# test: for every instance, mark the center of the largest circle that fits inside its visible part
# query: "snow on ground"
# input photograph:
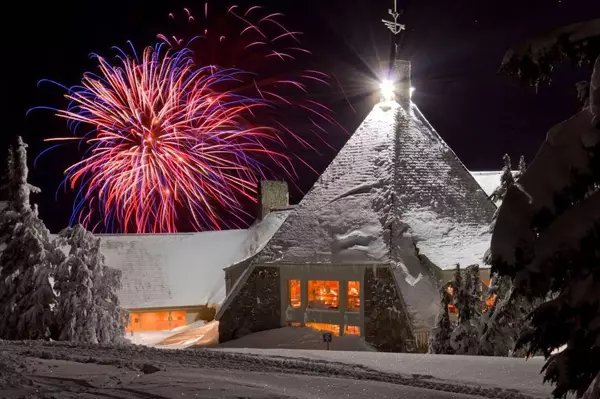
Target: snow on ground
(147, 338)
(297, 338)
(195, 335)
(73, 380)
(512, 373)
(65, 370)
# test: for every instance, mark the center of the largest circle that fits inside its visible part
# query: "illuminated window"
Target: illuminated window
(352, 330)
(353, 296)
(332, 328)
(293, 324)
(294, 289)
(155, 321)
(323, 295)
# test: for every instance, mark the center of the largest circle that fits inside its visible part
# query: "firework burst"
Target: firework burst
(175, 136)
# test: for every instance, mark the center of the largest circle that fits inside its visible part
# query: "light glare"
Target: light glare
(387, 89)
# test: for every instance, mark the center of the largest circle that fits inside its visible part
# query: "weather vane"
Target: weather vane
(394, 26)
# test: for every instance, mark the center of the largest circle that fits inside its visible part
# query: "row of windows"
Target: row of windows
(324, 295)
(153, 321)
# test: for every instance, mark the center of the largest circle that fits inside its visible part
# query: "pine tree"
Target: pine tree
(88, 308)
(465, 337)
(26, 295)
(439, 337)
(506, 180)
(521, 169)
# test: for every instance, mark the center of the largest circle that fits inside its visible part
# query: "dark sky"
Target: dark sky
(456, 47)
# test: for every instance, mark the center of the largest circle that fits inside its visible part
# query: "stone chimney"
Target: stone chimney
(273, 195)
(403, 85)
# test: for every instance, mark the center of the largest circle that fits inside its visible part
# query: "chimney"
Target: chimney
(403, 84)
(273, 195)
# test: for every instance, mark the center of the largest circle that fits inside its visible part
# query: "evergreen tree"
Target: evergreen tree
(506, 180)
(553, 250)
(465, 337)
(439, 337)
(88, 308)
(26, 295)
(521, 169)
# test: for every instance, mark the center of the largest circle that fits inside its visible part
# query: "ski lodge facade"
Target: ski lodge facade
(364, 253)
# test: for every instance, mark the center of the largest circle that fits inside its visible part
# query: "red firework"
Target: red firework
(173, 135)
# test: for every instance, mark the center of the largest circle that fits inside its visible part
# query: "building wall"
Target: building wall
(233, 273)
(304, 315)
(387, 326)
(256, 306)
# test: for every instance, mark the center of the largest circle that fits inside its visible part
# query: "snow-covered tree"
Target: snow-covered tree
(439, 337)
(547, 234)
(88, 308)
(506, 180)
(521, 168)
(26, 295)
(465, 337)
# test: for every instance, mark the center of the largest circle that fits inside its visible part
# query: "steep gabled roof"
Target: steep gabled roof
(394, 172)
(395, 194)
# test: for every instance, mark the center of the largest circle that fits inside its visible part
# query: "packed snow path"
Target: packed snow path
(45, 369)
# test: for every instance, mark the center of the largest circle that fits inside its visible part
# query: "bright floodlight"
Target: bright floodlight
(387, 89)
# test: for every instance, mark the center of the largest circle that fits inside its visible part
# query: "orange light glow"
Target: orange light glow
(294, 290)
(353, 296)
(323, 295)
(352, 330)
(156, 321)
(490, 301)
(332, 328)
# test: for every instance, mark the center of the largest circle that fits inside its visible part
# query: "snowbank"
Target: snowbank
(297, 338)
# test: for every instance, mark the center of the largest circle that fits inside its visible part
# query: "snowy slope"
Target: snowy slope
(41, 369)
(509, 373)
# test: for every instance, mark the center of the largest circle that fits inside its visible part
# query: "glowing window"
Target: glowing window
(294, 290)
(332, 328)
(353, 296)
(293, 324)
(323, 295)
(154, 321)
(352, 330)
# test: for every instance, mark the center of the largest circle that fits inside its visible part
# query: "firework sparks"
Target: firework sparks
(173, 135)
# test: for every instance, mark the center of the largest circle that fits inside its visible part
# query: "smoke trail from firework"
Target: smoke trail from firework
(174, 135)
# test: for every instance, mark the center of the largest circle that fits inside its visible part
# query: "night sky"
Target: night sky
(456, 47)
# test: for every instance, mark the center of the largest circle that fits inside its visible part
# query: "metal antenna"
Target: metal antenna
(394, 26)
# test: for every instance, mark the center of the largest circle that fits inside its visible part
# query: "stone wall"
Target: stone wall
(255, 307)
(387, 326)
(273, 194)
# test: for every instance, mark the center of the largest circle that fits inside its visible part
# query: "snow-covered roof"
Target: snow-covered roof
(172, 270)
(394, 169)
(394, 185)
(489, 180)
